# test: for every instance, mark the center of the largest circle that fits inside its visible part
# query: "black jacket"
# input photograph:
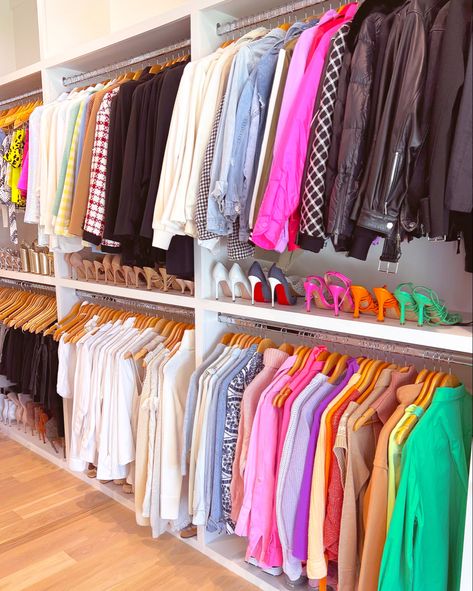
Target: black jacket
(452, 68)
(368, 37)
(398, 135)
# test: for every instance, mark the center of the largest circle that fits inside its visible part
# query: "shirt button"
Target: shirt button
(389, 225)
(237, 208)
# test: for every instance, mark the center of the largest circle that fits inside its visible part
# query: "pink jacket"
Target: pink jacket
(254, 520)
(281, 198)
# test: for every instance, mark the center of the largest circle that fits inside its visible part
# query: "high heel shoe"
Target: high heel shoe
(169, 281)
(89, 269)
(408, 308)
(317, 289)
(260, 288)
(221, 280)
(100, 273)
(139, 272)
(341, 296)
(117, 269)
(387, 304)
(78, 271)
(362, 301)
(130, 275)
(153, 278)
(185, 284)
(280, 288)
(107, 265)
(240, 286)
(431, 309)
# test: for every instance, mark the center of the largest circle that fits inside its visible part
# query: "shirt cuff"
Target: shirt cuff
(162, 239)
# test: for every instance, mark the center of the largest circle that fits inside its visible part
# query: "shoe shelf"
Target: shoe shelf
(171, 298)
(452, 338)
(30, 277)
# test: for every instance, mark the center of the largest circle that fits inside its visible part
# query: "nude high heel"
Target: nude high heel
(118, 272)
(153, 278)
(78, 268)
(169, 281)
(100, 274)
(185, 284)
(129, 274)
(139, 272)
(89, 269)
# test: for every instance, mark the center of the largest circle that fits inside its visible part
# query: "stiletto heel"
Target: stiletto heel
(338, 295)
(129, 274)
(260, 289)
(221, 279)
(273, 283)
(181, 284)
(362, 301)
(99, 270)
(240, 285)
(118, 272)
(341, 295)
(190, 286)
(387, 304)
(432, 310)
(78, 268)
(280, 287)
(107, 265)
(316, 288)
(89, 269)
(152, 278)
(139, 273)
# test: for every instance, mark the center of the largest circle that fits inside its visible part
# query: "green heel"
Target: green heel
(432, 310)
(408, 305)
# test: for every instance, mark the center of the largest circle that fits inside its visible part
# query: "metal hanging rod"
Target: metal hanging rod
(250, 21)
(71, 80)
(20, 97)
(135, 305)
(26, 285)
(368, 343)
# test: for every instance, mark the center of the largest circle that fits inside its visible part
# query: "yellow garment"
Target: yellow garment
(14, 157)
(395, 456)
(64, 213)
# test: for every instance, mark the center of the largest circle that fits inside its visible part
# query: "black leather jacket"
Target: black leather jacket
(398, 135)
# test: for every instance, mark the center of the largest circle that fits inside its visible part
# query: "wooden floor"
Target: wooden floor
(57, 533)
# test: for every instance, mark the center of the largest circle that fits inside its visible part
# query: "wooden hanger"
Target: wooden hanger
(227, 337)
(433, 381)
(74, 311)
(331, 363)
(369, 380)
(339, 369)
(265, 344)
(302, 353)
(287, 348)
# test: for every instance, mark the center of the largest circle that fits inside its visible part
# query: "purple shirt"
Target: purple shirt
(301, 525)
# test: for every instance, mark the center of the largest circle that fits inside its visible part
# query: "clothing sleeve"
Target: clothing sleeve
(399, 557)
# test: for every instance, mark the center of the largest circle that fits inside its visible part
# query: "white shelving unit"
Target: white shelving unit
(69, 38)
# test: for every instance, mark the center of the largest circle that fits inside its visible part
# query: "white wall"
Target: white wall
(121, 16)
(7, 38)
(25, 24)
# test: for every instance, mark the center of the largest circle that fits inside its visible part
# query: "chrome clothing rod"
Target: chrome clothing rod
(377, 347)
(20, 97)
(170, 49)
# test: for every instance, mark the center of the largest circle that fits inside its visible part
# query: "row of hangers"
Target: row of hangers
(286, 22)
(18, 115)
(73, 326)
(32, 312)
(335, 364)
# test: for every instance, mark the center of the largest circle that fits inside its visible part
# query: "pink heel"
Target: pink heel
(316, 287)
(341, 295)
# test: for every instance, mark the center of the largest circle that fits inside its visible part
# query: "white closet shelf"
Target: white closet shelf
(32, 277)
(452, 338)
(20, 81)
(171, 298)
(149, 35)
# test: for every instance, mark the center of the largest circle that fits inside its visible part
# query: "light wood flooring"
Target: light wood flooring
(57, 533)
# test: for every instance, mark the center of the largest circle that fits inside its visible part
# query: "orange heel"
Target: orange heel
(387, 304)
(362, 301)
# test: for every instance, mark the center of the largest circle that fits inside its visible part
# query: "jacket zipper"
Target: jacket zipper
(397, 158)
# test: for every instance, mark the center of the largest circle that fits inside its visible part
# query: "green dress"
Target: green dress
(423, 550)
